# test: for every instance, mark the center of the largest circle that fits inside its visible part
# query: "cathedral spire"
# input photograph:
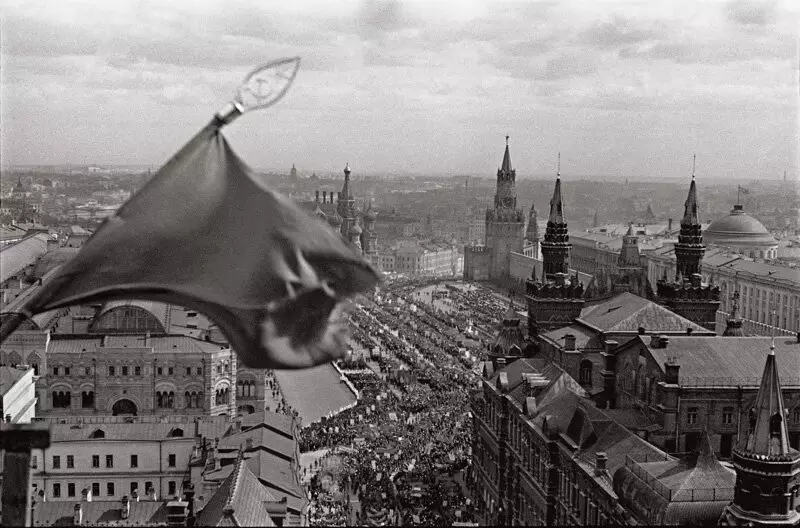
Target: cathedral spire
(557, 204)
(690, 216)
(506, 166)
(768, 433)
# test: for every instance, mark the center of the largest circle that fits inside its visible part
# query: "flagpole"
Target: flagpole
(263, 87)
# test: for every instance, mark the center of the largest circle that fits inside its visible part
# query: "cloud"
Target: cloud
(752, 12)
(619, 31)
(28, 37)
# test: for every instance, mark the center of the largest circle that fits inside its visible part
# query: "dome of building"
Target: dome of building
(370, 215)
(743, 233)
(356, 230)
(336, 219)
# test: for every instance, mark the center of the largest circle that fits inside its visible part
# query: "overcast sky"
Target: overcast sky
(620, 88)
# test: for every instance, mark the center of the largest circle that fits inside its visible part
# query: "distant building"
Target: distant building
(505, 231)
(763, 287)
(422, 258)
(293, 175)
(742, 233)
(17, 394)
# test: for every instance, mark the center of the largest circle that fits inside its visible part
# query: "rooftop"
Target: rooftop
(9, 376)
(100, 513)
(627, 312)
(728, 361)
(69, 344)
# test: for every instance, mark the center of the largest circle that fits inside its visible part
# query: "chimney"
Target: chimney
(126, 507)
(672, 370)
(569, 342)
(642, 330)
(86, 495)
(188, 496)
(135, 495)
(663, 341)
(77, 516)
(600, 459)
(689, 330)
(669, 224)
(324, 197)
(501, 363)
(697, 280)
(237, 425)
(248, 444)
(317, 197)
(655, 341)
(151, 494)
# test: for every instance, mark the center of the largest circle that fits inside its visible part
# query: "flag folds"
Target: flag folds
(206, 234)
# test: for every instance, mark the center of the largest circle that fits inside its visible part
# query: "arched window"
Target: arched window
(252, 388)
(187, 399)
(159, 400)
(176, 433)
(99, 433)
(87, 399)
(171, 400)
(585, 372)
(239, 388)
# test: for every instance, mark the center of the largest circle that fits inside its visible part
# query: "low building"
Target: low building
(112, 458)
(17, 394)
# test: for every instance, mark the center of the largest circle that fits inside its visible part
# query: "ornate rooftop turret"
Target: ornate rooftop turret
(733, 327)
(767, 468)
(556, 246)
(687, 295)
(690, 248)
(532, 232)
(510, 338)
(629, 254)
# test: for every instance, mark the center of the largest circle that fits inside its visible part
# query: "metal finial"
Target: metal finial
(694, 163)
(558, 170)
(507, 136)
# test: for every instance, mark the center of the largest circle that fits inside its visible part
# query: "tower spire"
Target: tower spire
(506, 166)
(768, 434)
(557, 204)
(694, 163)
(558, 169)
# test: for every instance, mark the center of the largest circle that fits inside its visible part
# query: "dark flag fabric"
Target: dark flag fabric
(743, 190)
(206, 234)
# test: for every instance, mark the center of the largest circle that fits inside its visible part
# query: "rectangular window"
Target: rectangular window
(170, 371)
(160, 371)
(172, 488)
(124, 371)
(66, 371)
(35, 462)
(134, 488)
(95, 489)
(137, 371)
(55, 371)
(148, 486)
(171, 460)
(56, 462)
(56, 490)
(727, 416)
(95, 461)
(188, 371)
(71, 489)
(199, 371)
(691, 416)
(87, 371)
(134, 461)
(110, 489)
(111, 371)
(109, 461)
(70, 461)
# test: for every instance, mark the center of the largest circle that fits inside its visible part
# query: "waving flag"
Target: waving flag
(205, 233)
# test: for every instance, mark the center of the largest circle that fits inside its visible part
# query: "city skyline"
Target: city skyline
(621, 89)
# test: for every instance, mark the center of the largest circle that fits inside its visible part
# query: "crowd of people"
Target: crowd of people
(406, 443)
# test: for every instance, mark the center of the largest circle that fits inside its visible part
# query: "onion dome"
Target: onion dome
(370, 215)
(336, 219)
(356, 230)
